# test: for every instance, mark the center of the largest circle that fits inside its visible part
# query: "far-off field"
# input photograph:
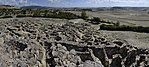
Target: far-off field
(127, 17)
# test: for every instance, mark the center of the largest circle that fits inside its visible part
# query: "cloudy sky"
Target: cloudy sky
(77, 3)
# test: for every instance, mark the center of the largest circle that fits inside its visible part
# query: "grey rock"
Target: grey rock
(38, 42)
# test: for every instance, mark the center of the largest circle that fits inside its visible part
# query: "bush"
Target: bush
(63, 15)
(7, 17)
(96, 19)
(84, 15)
(124, 28)
(117, 23)
(60, 15)
(24, 16)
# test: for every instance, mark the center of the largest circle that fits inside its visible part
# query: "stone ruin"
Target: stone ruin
(32, 43)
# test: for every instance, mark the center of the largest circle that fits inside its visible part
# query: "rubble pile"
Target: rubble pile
(33, 43)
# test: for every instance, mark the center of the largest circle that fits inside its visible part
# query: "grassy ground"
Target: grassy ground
(133, 38)
(140, 18)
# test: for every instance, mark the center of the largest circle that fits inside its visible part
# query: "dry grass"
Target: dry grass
(139, 18)
(133, 38)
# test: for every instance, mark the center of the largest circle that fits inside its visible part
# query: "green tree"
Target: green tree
(117, 23)
(96, 19)
(84, 15)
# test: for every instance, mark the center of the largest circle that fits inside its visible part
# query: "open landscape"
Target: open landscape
(126, 17)
(42, 36)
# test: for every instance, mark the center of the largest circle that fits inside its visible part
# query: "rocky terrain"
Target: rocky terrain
(134, 38)
(28, 42)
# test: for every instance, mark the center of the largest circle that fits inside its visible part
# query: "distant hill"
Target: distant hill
(87, 8)
(34, 7)
(129, 8)
(8, 6)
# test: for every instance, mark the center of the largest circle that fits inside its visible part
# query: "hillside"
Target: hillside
(8, 7)
(40, 42)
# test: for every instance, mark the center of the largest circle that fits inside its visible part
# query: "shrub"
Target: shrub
(7, 17)
(124, 28)
(63, 15)
(24, 16)
(117, 23)
(96, 19)
(84, 15)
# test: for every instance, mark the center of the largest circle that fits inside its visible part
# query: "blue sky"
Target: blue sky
(78, 3)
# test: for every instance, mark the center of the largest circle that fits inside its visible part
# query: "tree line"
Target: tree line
(9, 13)
(49, 14)
(124, 28)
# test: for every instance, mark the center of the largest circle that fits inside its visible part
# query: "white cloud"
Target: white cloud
(14, 2)
(97, 1)
(6, 2)
(135, 3)
(23, 1)
(101, 2)
(83, 2)
(119, 2)
(52, 1)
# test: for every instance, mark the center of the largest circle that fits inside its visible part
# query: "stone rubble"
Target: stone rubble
(35, 43)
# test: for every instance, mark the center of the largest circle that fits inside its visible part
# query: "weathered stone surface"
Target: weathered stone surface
(45, 43)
